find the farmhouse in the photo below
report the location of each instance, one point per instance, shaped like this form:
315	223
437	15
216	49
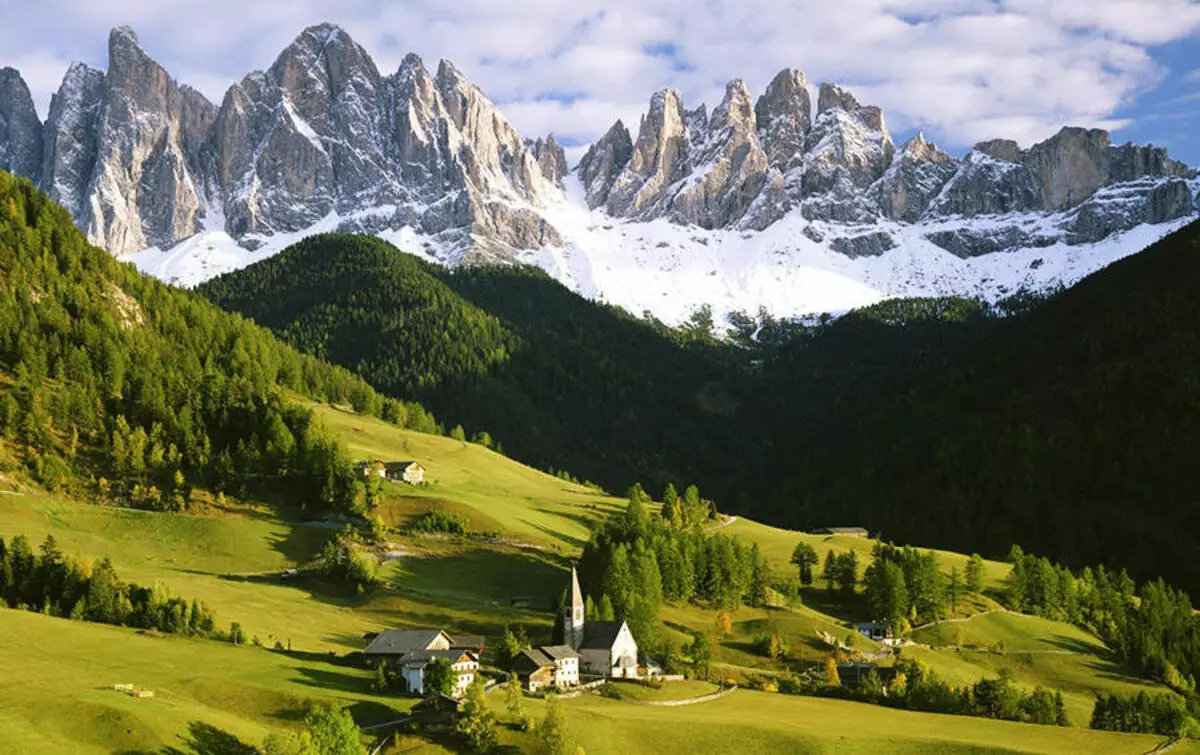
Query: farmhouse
547	666
606	648
410	651
397	471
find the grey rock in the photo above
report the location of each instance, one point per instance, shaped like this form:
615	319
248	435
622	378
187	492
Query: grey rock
661	156
551	159
872	244
986	185
970	242
914	180
20	128
1001	149
848	149
733	166
1069	167
69	139
784	114
145	189
603	162
1125	206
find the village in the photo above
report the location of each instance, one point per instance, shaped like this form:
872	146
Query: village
591	653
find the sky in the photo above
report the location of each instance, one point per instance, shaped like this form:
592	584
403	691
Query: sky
960	70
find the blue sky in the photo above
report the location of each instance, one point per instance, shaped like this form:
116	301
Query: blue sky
961	70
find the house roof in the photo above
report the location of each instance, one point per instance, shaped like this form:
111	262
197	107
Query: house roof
846	530
601	634
532	659
422	657
402	641
559	652
400	464
467	641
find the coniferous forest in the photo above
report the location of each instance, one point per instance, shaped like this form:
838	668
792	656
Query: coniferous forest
116	387
1062	423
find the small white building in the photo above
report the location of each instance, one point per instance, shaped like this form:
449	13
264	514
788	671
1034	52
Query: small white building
410	472
548	666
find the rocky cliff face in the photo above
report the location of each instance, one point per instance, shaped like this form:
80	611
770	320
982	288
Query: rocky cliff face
20	129
142	161
324	137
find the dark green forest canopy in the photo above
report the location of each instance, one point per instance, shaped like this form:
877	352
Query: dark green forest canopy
1066	427
1070	429
558	380
116	386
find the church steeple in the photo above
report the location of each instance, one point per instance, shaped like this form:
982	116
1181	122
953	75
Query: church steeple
572	619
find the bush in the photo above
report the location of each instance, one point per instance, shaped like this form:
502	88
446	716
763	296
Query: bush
439	520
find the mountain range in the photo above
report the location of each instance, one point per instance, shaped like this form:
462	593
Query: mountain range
761	202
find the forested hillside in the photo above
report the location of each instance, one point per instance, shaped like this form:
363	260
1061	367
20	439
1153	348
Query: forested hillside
117	387
557	380
1065	427
1070	429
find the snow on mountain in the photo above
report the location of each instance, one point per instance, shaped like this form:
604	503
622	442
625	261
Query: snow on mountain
757	203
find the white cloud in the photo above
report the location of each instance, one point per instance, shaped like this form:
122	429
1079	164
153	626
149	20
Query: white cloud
961	69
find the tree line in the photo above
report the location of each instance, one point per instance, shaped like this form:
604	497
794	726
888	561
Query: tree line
47	581
636	561
1153	629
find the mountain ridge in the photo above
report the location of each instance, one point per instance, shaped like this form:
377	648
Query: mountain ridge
323	141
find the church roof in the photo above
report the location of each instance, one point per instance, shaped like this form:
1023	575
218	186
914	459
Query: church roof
601	634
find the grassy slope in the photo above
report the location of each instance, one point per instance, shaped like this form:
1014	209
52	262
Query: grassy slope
56	694
462	585
755	722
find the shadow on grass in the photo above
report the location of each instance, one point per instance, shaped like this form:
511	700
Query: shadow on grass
206	739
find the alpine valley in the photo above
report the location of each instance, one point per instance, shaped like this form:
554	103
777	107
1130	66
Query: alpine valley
774	202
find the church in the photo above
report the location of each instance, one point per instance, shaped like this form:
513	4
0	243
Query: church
606	648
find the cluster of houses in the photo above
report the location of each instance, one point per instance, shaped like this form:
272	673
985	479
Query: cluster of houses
591	650
410	472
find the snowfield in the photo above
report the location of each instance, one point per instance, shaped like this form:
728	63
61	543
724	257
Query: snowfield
670	270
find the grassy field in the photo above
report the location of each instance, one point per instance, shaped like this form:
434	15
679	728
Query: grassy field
516	499
757	722
57	695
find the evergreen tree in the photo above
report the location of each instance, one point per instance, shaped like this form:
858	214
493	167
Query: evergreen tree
974	575
514	698
553	737
332	731
804	556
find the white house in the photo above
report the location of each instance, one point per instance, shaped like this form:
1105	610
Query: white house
410	651
548	666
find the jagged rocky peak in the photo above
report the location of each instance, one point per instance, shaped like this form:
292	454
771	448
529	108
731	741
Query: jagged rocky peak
603	162
732	167
661	156
848	150
551	159
916	177
1069	167
921	150
20	128
784	116
69	139
146	187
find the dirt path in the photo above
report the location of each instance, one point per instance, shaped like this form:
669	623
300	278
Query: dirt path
689	701
724	524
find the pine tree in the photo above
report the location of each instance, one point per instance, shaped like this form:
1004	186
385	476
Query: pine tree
514	698
804	556
974	575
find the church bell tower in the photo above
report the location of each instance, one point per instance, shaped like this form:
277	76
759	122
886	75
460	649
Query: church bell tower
572	614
